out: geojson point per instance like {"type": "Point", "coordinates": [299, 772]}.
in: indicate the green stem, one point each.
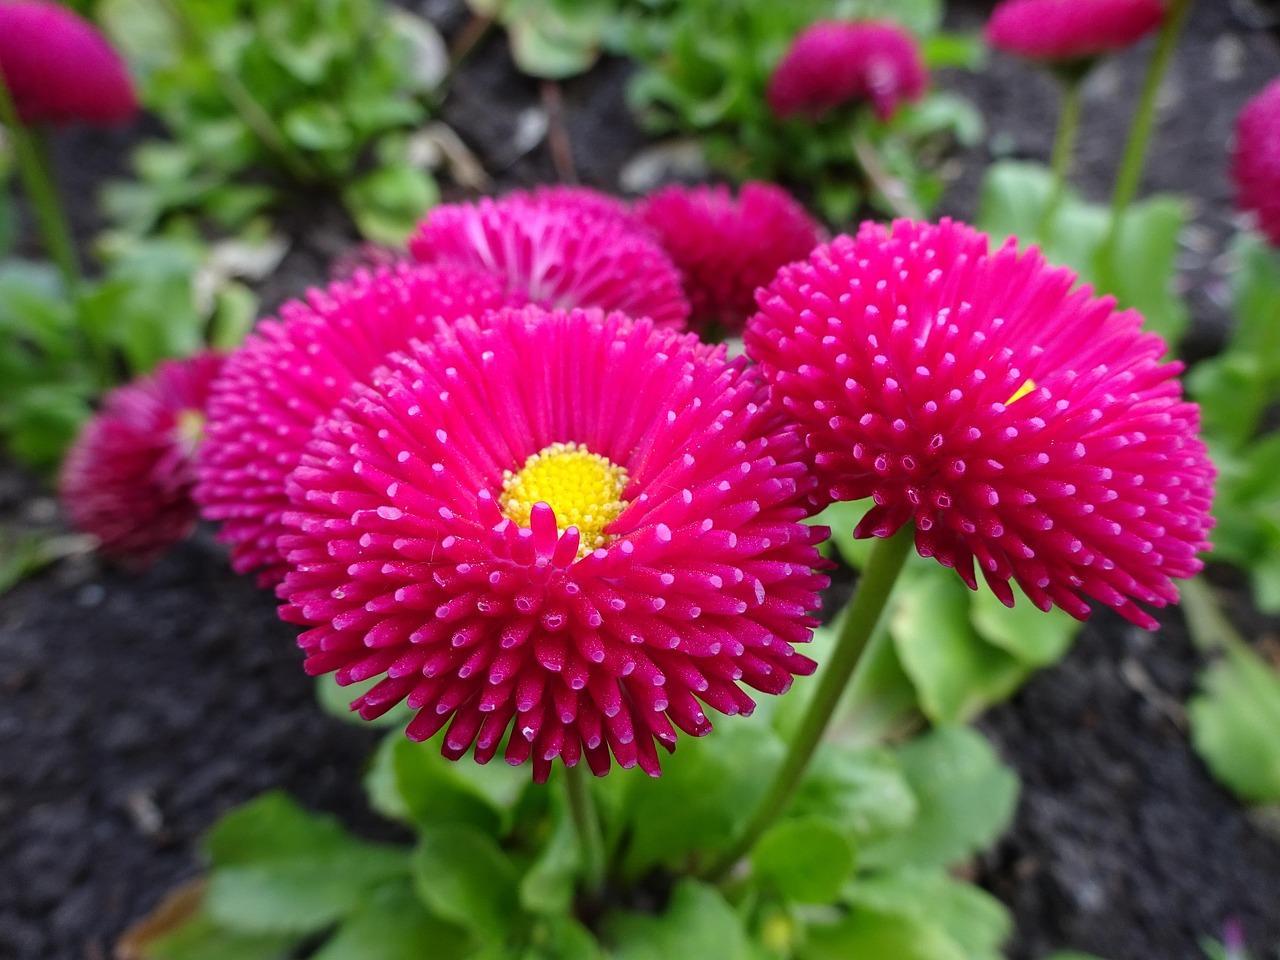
{"type": "Point", "coordinates": [1064, 143]}
{"type": "Point", "coordinates": [587, 824]}
{"type": "Point", "coordinates": [35, 170]}
{"type": "Point", "coordinates": [860, 622]}
{"type": "Point", "coordinates": [242, 100]}
{"type": "Point", "coordinates": [893, 190]}
{"type": "Point", "coordinates": [1135, 151]}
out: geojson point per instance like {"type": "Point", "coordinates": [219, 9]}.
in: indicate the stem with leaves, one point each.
{"type": "Point", "coordinates": [861, 621]}
{"type": "Point", "coordinates": [32, 154]}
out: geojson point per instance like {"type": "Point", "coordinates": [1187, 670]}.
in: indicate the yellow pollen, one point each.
{"type": "Point", "coordinates": [1027, 386]}
{"type": "Point", "coordinates": [583, 488]}
{"type": "Point", "coordinates": [189, 430]}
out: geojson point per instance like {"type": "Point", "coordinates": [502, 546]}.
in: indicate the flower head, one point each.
{"type": "Point", "coordinates": [726, 248]}
{"type": "Point", "coordinates": [1071, 30]}
{"type": "Point", "coordinates": [293, 371]}
{"type": "Point", "coordinates": [1015, 422]}
{"type": "Point", "coordinates": [558, 247]}
{"type": "Point", "coordinates": [834, 62]}
{"type": "Point", "coordinates": [576, 527]}
{"type": "Point", "coordinates": [128, 477]}
{"type": "Point", "coordinates": [1255, 160]}
{"type": "Point", "coordinates": [59, 68]}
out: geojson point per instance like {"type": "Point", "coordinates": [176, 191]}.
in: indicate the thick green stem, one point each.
{"type": "Point", "coordinates": [1064, 143]}
{"type": "Point", "coordinates": [35, 170]}
{"type": "Point", "coordinates": [242, 100]}
{"type": "Point", "coordinates": [860, 623]}
{"type": "Point", "coordinates": [586, 822]}
{"type": "Point", "coordinates": [1135, 151]}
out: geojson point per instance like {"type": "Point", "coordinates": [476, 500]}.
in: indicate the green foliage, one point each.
{"type": "Point", "coordinates": [260, 95]}
{"type": "Point", "coordinates": [1138, 270]}
{"type": "Point", "coordinates": [553, 39]}
{"type": "Point", "coordinates": [697, 922]}
{"type": "Point", "coordinates": [1234, 724]}
{"type": "Point", "coordinates": [804, 859]}
{"type": "Point", "coordinates": [706, 66]}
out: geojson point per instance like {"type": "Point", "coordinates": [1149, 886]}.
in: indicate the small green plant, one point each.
{"type": "Point", "coordinates": [262, 98]}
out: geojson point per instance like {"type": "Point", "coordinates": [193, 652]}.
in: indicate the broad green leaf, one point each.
{"type": "Point", "coordinates": [317, 126]}
{"type": "Point", "coordinates": [966, 799]}
{"type": "Point", "coordinates": [336, 701]}
{"type": "Point", "coordinates": [392, 924]}
{"type": "Point", "coordinates": [554, 43]}
{"type": "Point", "coordinates": [202, 938]}
{"type": "Point", "coordinates": [806, 859]}
{"type": "Point", "coordinates": [1235, 724]}
{"type": "Point", "coordinates": [862, 790]}
{"type": "Point", "coordinates": [547, 886]}
{"type": "Point", "coordinates": [955, 671]}
{"type": "Point", "coordinates": [1144, 265]}
{"type": "Point", "coordinates": [388, 203]}
{"type": "Point", "coordinates": [463, 877]}
{"type": "Point", "coordinates": [867, 933]}
{"type": "Point", "coordinates": [697, 923]}
{"type": "Point", "coordinates": [1035, 637]}
{"type": "Point", "coordinates": [971, 917]}
{"type": "Point", "coordinates": [562, 938]}
{"type": "Point", "coordinates": [280, 868]}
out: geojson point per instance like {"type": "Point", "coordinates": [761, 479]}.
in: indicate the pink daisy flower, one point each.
{"type": "Point", "coordinates": [1014, 422]}
{"type": "Point", "coordinates": [575, 527]}
{"type": "Point", "coordinates": [291, 372]}
{"type": "Point", "coordinates": [834, 62]}
{"type": "Point", "coordinates": [59, 68]}
{"type": "Point", "coordinates": [559, 247]}
{"type": "Point", "coordinates": [1066, 30]}
{"type": "Point", "coordinates": [128, 477]}
{"type": "Point", "coordinates": [726, 248]}
{"type": "Point", "coordinates": [1255, 160]}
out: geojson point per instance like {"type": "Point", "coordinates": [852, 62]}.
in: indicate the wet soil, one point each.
{"type": "Point", "coordinates": [134, 710]}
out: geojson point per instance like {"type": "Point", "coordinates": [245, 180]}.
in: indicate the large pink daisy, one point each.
{"type": "Point", "coordinates": [576, 528]}
{"type": "Point", "coordinates": [1014, 422]}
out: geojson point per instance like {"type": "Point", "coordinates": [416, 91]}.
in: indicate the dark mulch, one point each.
{"type": "Point", "coordinates": [135, 710]}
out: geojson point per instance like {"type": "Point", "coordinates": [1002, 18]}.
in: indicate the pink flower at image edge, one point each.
{"type": "Point", "coordinates": [1255, 160]}
{"type": "Point", "coordinates": [59, 69]}
{"type": "Point", "coordinates": [1070, 30]}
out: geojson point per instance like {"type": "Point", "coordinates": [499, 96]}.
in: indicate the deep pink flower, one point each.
{"type": "Point", "coordinates": [59, 68]}
{"type": "Point", "coordinates": [726, 248]}
{"type": "Point", "coordinates": [559, 247]}
{"type": "Point", "coordinates": [834, 62]}
{"type": "Point", "coordinates": [291, 372]}
{"type": "Point", "coordinates": [128, 477]}
{"type": "Point", "coordinates": [1012, 421]}
{"type": "Point", "coordinates": [1064, 30]}
{"type": "Point", "coordinates": [1255, 160]}
{"type": "Point", "coordinates": [576, 527]}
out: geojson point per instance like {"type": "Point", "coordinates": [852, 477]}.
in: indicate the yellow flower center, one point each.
{"type": "Point", "coordinates": [190, 430]}
{"type": "Point", "coordinates": [1027, 386]}
{"type": "Point", "coordinates": [583, 488]}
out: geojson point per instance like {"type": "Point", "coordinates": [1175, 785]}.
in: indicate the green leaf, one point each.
{"type": "Point", "coordinates": [1235, 724]}
{"type": "Point", "coordinates": [562, 938]}
{"type": "Point", "coordinates": [867, 933]}
{"type": "Point", "coordinates": [966, 799]}
{"type": "Point", "coordinates": [552, 42]}
{"type": "Point", "coordinates": [697, 922]}
{"type": "Point", "coordinates": [202, 938]}
{"type": "Point", "coordinates": [413, 783]}
{"type": "Point", "coordinates": [278, 868]}
{"type": "Point", "coordinates": [1143, 266]}
{"type": "Point", "coordinates": [976, 921]}
{"type": "Point", "coordinates": [317, 126]}
{"type": "Point", "coordinates": [392, 924]}
{"type": "Point", "coordinates": [864, 791]}
{"type": "Point", "coordinates": [806, 860]}
{"type": "Point", "coordinates": [336, 701]}
{"type": "Point", "coordinates": [955, 671]}
{"type": "Point", "coordinates": [547, 886]}
{"type": "Point", "coordinates": [1035, 637]}
{"type": "Point", "coordinates": [388, 203]}
{"type": "Point", "coordinates": [463, 877]}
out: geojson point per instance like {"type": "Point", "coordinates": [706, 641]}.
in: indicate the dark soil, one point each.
{"type": "Point", "coordinates": [135, 710]}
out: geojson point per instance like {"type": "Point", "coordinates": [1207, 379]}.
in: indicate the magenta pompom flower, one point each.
{"type": "Point", "coordinates": [559, 247]}
{"type": "Point", "coordinates": [127, 479]}
{"type": "Point", "coordinates": [58, 67]}
{"type": "Point", "coordinates": [726, 248]}
{"type": "Point", "coordinates": [1071, 30]}
{"type": "Point", "coordinates": [292, 372]}
{"type": "Point", "coordinates": [575, 527]}
{"type": "Point", "coordinates": [834, 62]}
{"type": "Point", "coordinates": [1255, 160]}
{"type": "Point", "coordinates": [1014, 422]}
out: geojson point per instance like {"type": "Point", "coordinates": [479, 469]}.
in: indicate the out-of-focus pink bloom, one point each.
{"type": "Point", "coordinates": [1255, 160]}
{"type": "Point", "coordinates": [59, 68]}
{"type": "Point", "coordinates": [1015, 423]}
{"type": "Point", "coordinates": [128, 477]}
{"type": "Point", "coordinates": [726, 248]}
{"type": "Point", "coordinates": [834, 62]}
{"type": "Point", "coordinates": [559, 247]}
{"type": "Point", "coordinates": [565, 532]}
{"type": "Point", "coordinates": [288, 375]}
{"type": "Point", "coordinates": [1068, 30]}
